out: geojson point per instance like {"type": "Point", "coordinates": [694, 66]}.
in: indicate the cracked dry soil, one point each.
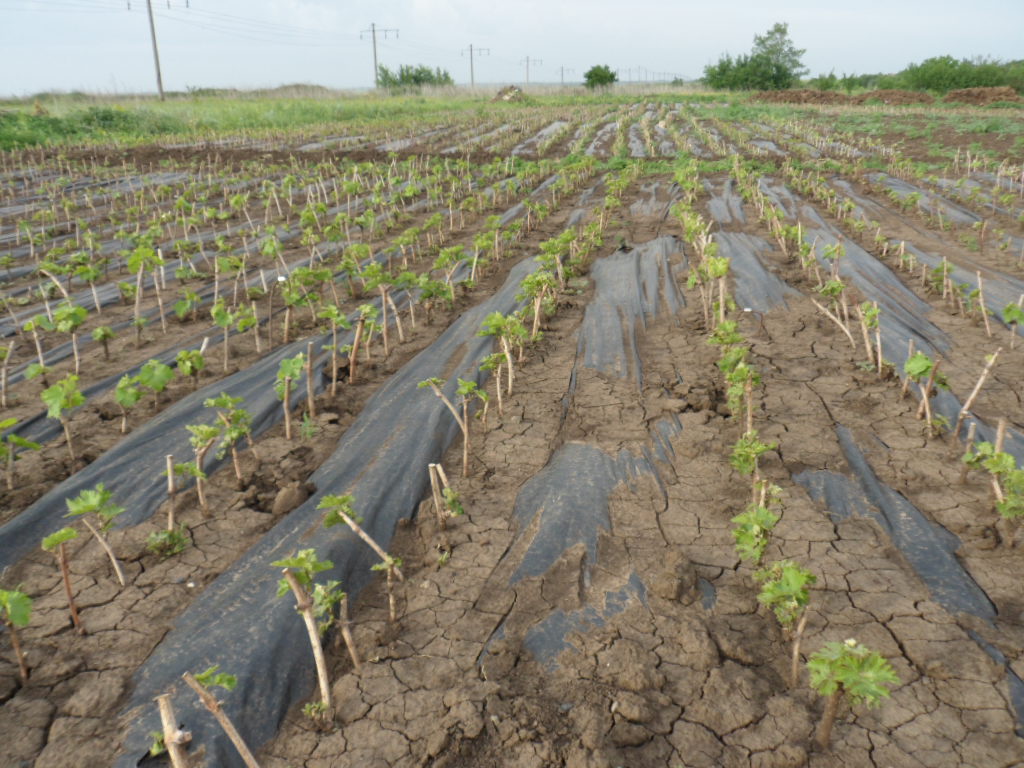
{"type": "Point", "coordinates": [643, 645]}
{"type": "Point", "coordinates": [649, 648]}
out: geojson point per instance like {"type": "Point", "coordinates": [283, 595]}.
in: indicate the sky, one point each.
{"type": "Point", "coordinates": [103, 46]}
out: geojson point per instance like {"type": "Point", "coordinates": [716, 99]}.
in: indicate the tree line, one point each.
{"type": "Point", "coordinates": [775, 63]}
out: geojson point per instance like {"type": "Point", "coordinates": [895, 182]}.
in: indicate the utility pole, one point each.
{"type": "Point", "coordinates": [156, 55]}
{"type": "Point", "coordinates": [528, 61]}
{"type": "Point", "coordinates": [563, 70]}
{"type": "Point", "coordinates": [372, 32]}
{"type": "Point", "coordinates": [475, 52]}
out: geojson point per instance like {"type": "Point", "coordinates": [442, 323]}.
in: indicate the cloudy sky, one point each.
{"type": "Point", "coordinates": [103, 45]}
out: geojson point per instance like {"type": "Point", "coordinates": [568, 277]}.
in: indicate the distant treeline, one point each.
{"type": "Point", "coordinates": [938, 75]}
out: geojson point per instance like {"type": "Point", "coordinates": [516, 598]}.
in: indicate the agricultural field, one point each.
{"type": "Point", "coordinates": [647, 432]}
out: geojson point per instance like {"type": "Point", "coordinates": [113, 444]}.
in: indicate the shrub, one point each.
{"type": "Point", "coordinates": [599, 76]}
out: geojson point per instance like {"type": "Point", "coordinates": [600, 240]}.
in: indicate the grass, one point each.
{"type": "Point", "coordinates": [77, 118]}
{"type": "Point", "coordinates": [134, 121]}
{"type": "Point", "coordinates": [51, 119]}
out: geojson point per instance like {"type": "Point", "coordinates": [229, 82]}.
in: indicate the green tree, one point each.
{"type": "Point", "coordinates": [599, 76]}
{"type": "Point", "coordinates": [773, 63]}
{"type": "Point", "coordinates": [779, 50]}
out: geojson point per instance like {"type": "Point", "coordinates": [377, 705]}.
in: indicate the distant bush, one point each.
{"type": "Point", "coordinates": [938, 75]}
{"type": "Point", "coordinates": [599, 76]}
{"type": "Point", "coordinates": [944, 73]}
{"type": "Point", "coordinates": [827, 82]}
{"type": "Point", "coordinates": [408, 77]}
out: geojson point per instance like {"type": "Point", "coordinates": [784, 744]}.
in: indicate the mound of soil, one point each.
{"type": "Point", "coordinates": [509, 93]}
{"type": "Point", "coordinates": [982, 96]}
{"type": "Point", "coordinates": [894, 96]}
{"type": "Point", "coordinates": [802, 96]}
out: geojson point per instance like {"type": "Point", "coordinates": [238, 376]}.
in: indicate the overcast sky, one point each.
{"type": "Point", "coordinates": [103, 45]}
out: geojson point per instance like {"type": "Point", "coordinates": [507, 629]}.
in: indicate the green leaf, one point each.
{"type": "Point", "coordinates": [918, 366]}
{"type": "Point", "coordinates": [54, 540]}
{"type": "Point", "coordinates": [211, 677]}
{"type": "Point", "coordinates": [746, 452]}
{"type": "Point", "coordinates": [62, 396]}
{"type": "Point", "coordinates": [189, 469]}
{"type": "Point", "coordinates": [784, 590]}
{"type": "Point", "coordinates": [862, 674]}
{"type": "Point", "coordinates": [190, 361]}
{"type": "Point", "coordinates": [202, 434]}
{"type": "Point", "coordinates": [325, 597]}
{"type": "Point", "coordinates": [731, 358]}
{"type": "Point", "coordinates": [1000, 463]}
{"type": "Point", "coordinates": [17, 606]}
{"type": "Point", "coordinates": [1013, 314]}
{"type": "Point", "coordinates": [832, 288]}
{"type": "Point", "coordinates": [157, 747]}
{"type": "Point", "coordinates": [167, 543]}
{"type": "Point", "coordinates": [98, 501]}
{"type": "Point", "coordinates": [223, 400]}
{"type": "Point", "coordinates": [127, 392]}
{"type": "Point", "coordinates": [291, 369]}
{"type": "Point", "coordinates": [725, 334]}
{"type": "Point", "coordinates": [751, 530]}
{"type": "Point", "coordinates": [452, 502]}
{"type": "Point", "coordinates": [718, 266]}
{"type": "Point", "coordinates": [221, 316]}
{"type": "Point", "coordinates": [305, 565]}
{"type": "Point", "coordinates": [493, 325]}
{"type": "Point", "coordinates": [336, 504]}
{"type": "Point", "coordinates": [977, 454]}
{"type": "Point", "coordinates": [155, 376]}
{"type": "Point", "coordinates": [21, 442]}
{"type": "Point", "coordinates": [466, 389]}
{"type": "Point", "coordinates": [35, 369]}
{"type": "Point", "coordinates": [67, 317]}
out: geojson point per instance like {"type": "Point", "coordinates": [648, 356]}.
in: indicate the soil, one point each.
{"type": "Point", "coordinates": [889, 97]}
{"type": "Point", "coordinates": [893, 97]}
{"type": "Point", "coordinates": [801, 96]}
{"type": "Point", "coordinates": [668, 679]}
{"type": "Point", "coordinates": [982, 96]}
{"type": "Point", "coordinates": [556, 623]}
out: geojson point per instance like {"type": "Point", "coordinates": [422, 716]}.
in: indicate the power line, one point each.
{"type": "Point", "coordinates": [563, 70]}
{"type": "Point", "coordinates": [228, 22]}
{"type": "Point", "coordinates": [527, 61]}
{"type": "Point", "coordinates": [255, 36]}
{"type": "Point", "coordinates": [373, 34]}
{"type": "Point", "coordinates": [67, 6]}
{"type": "Point", "coordinates": [156, 54]}
{"type": "Point", "coordinates": [472, 55]}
